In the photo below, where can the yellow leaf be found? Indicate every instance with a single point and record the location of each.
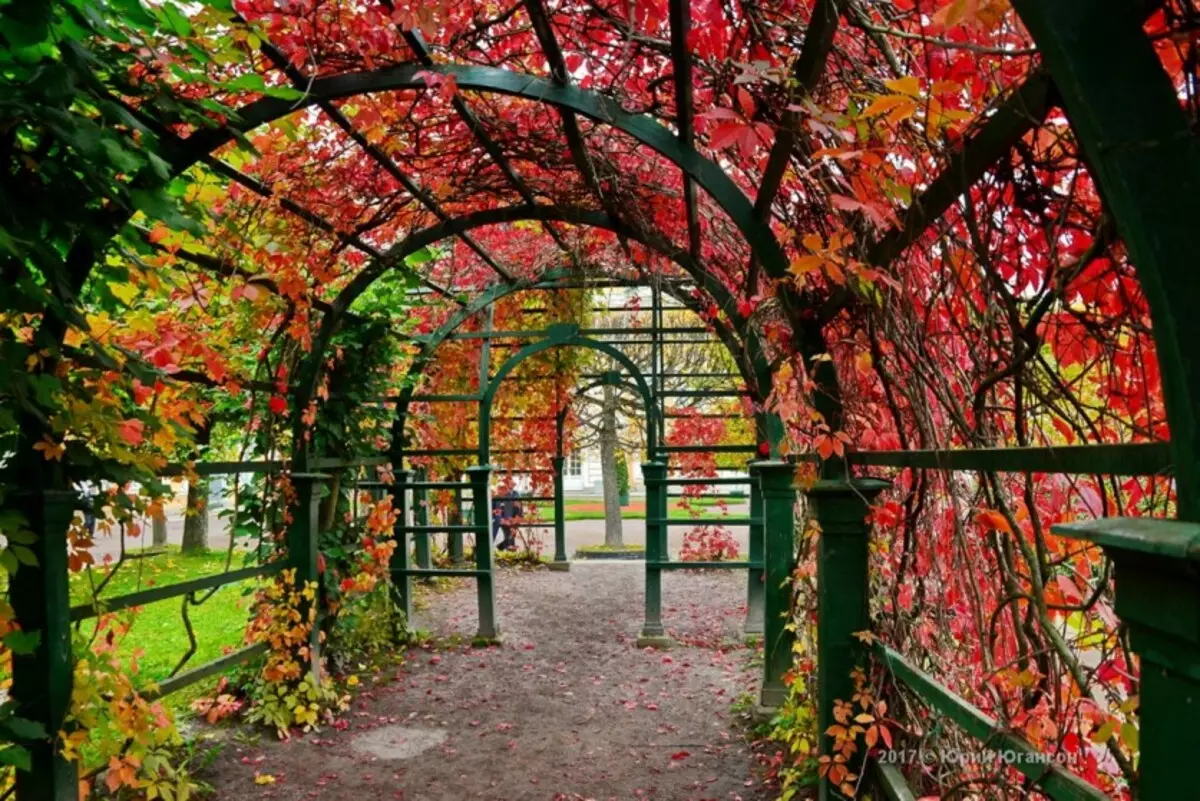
(264, 778)
(1129, 736)
(908, 85)
(126, 293)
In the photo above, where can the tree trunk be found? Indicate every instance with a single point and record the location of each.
(613, 535)
(195, 515)
(159, 525)
(195, 520)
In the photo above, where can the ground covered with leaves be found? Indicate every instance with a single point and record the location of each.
(567, 708)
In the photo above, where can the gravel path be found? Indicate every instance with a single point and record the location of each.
(567, 709)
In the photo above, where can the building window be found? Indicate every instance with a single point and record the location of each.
(574, 464)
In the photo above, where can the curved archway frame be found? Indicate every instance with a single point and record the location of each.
(564, 335)
(708, 175)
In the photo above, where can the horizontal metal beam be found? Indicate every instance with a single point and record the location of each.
(201, 672)
(142, 597)
(1132, 459)
(583, 332)
(708, 448)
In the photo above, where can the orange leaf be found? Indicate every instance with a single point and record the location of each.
(990, 518)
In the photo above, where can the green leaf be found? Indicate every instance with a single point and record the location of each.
(24, 555)
(283, 92)
(8, 561)
(24, 729)
(22, 642)
(419, 257)
(250, 82)
(16, 756)
(176, 19)
(22, 536)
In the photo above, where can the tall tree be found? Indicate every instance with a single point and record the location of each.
(609, 444)
(195, 519)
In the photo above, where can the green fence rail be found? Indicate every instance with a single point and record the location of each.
(1157, 568)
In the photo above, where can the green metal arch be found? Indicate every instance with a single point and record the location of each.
(589, 103)
(769, 429)
(756, 372)
(564, 341)
(1146, 159)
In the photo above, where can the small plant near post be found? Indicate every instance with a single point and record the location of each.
(622, 479)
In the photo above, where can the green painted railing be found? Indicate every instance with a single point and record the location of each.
(1157, 580)
(39, 593)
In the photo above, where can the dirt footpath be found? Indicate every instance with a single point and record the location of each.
(568, 708)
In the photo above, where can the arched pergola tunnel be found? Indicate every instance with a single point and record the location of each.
(650, 388)
(1099, 64)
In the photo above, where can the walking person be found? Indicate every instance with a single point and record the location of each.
(508, 509)
(89, 492)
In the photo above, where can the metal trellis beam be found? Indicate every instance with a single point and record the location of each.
(681, 67)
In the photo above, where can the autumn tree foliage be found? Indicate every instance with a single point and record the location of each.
(191, 217)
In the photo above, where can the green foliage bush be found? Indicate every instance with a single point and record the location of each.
(622, 475)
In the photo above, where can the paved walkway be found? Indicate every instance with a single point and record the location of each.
(567, 709)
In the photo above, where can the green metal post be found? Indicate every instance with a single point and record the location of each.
(455, 541)
(42, 679)
(402, 585)
(1157, 581)
(560, 518)
(304, 550)
(489, 631)
(840, 509)
(755, 583)
(420, 508)
(779, 558)
(653, 635)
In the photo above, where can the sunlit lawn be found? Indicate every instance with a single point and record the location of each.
(157, 629)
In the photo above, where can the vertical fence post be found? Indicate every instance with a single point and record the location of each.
(779, 560)
(402, 585)
(454, 542)
(42, 679)
(840, 509)
(420, 510)
(755, 585)
(304, 549)
(1157, 581)
(485, 584)
(653, 635)
(560, 518)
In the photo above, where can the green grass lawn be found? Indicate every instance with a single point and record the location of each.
(579, 509)
(158, 629)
